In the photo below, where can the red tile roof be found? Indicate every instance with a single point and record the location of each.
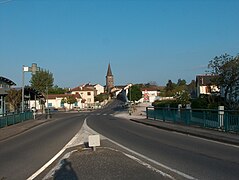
(54, 96)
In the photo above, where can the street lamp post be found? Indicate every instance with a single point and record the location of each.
(33, 69)
(130, 106)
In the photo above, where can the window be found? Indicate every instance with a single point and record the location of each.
(62, 104)
(88, 93)
(49, 104)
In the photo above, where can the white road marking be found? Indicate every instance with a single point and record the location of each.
(151, 160)
(46, 165)
(58, 166)
(82, 136)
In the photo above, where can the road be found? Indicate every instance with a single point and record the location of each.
(22, 155)
(196, 157)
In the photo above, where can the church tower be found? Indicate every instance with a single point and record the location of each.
(109, 79)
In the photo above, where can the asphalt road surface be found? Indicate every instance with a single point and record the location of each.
(198, 158)
(24, 154)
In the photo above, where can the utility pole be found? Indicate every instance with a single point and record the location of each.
(33, 69)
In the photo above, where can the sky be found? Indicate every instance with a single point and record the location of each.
(143, 40)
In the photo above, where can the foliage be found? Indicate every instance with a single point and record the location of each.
(191, 88)
(57, 90)
(101, 97)
(42, 80)
(170, 88)
(226, 69)
(182, 97)
(181, 82)
(165, 103)
(135, 93)
(14, 98)
(69, 100)
(206, 102)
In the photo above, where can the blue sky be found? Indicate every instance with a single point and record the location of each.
(144, 40)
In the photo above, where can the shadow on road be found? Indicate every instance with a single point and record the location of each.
(65, 172)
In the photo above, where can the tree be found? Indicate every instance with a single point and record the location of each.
(101, 97)
(226, 71)
(191, 88)
(181, 82)
(57, 90)
(69, 100)
(135, 93)
(170, 88)
(42, 81)
(182, 97)
(14, 98)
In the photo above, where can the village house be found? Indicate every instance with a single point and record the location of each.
(87, 94)
(150, 94)
(205, 84)
(55, 101)
(5, 85)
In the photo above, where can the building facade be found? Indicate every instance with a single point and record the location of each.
(5, 85)
(205, 84)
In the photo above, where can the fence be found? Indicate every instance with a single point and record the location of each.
(14, 118)
(216, 119)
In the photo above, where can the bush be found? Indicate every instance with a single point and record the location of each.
(165, 103)
(206, 102)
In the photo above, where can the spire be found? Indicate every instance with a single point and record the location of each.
(109, 72)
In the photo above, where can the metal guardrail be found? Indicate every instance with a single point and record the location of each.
(14, 118)
(215, 119)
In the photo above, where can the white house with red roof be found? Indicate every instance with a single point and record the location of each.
(150, 94)
(87, 93)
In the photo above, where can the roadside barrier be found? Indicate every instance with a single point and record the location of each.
(225, 120)
(14, 118)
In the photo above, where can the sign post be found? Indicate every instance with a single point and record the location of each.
(94, 141)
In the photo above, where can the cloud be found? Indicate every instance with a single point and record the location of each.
(4, 1)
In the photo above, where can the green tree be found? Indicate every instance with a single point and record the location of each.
(181, 82)
(101, 97)
(182, 97)
(57, 90)
(135, 93)
(42, 81)
(14, 98)
(226, 71)
(191, 88)
(69, 100)
(170, 88)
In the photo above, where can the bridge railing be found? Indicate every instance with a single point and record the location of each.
(14, 118)
(216, 119)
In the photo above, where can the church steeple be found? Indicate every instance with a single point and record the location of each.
(109, 72)
(109, 79)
